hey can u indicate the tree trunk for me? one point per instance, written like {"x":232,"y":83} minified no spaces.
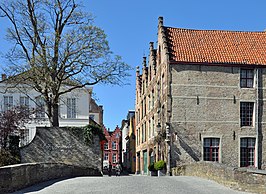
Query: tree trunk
{"x":55,"y":115}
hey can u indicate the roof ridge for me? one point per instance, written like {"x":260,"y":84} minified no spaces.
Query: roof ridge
{"x":190,"y":29}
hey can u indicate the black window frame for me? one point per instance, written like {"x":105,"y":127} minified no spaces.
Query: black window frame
{"x":246,"y":114}
{"x":247,"y":151}
{"x":211,"y":152}
{"x":245,"y":78}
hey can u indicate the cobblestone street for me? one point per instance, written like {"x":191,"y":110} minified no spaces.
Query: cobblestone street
{"x":129,"y":185}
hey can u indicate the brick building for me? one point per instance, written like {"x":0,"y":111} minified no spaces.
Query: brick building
{"x":201,"y":97}
{"x":112,"y":148}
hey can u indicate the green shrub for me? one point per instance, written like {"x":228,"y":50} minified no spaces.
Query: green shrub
{"x":159,"y":165}
{"x":151,"y":167}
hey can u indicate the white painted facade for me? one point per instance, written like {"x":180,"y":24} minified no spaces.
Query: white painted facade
{"x":73,"y":108}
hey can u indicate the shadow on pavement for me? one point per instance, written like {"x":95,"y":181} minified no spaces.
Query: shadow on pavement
{"x":38,"y":186}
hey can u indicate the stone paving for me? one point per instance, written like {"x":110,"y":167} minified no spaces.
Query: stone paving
{"x":130,"y":184}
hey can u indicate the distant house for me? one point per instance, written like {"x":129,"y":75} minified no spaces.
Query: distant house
{"x":112,"y":148}
{"x":73,"y":107}
{"x":200,"y":97}
{"x":128,"y":142}
{"x":96,"y":112}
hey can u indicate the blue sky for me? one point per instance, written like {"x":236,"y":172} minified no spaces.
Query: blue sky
{"x":131,"y":25}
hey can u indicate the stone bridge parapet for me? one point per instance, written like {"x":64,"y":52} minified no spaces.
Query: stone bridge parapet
{"x":244,"y":179}
{"x":15,"y":177}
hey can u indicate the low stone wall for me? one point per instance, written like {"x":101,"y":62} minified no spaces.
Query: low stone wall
{"x":237,"y":178}
{"x":19,"y":176}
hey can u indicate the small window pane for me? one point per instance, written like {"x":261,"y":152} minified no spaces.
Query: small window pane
{"x":249,"y":73}
{"x":207,"y":142}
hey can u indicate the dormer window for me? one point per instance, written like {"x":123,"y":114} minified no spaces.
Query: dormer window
{"x":246,"y":78}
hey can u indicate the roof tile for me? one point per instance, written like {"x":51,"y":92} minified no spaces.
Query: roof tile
{"x":216,"y":46}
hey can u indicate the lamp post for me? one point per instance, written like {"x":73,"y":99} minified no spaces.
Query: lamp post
{"x":167,"y":140}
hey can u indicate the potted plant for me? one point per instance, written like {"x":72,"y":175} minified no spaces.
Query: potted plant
{"x":152,"y":170}
{"x":160,"y":167}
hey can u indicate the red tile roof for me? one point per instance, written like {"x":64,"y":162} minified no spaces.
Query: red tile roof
{"x":216,"y":46}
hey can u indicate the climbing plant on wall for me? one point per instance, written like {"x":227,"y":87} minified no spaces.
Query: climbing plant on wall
{"x":88,"y":132}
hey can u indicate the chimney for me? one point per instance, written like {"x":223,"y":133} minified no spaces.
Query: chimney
{"x":3,"y":76}
{"x":160,"y":21}
{"x":101,"y":115}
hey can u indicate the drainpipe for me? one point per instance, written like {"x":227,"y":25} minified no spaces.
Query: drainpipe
{"x":257,"y":117}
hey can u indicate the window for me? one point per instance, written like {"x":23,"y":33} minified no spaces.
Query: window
{"x":40,"y":107}
{"x":114,"y":145}
{"x":106,"y":146}
{"x":246,"y":78}
{"x":71,"y":108}
{"x":24,"y":101}
{"x":150,"y":129}
{"x":162,"y":82}
{"x":152,"y":98}
{"x":144,"y":107}
{"x":114,"y":158}
{"x":105,"y":156}
{"x":247,"y":152}
{"x":144,"y":133}
{"x":8,"y":102}
{"x":246,"y":113}
{"x":211,"y":149}
{"x":149,"y":101}
{"x":153,"y":127}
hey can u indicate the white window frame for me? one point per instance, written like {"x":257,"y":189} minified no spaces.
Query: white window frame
{"x":8,"y":103}
{"x":114,"y":145}
{"x":106,"y":156}
{"x":105,"y":146}
{"x":114,"y":158}
{"x":24,"y":101}
{"x":71,"y":108}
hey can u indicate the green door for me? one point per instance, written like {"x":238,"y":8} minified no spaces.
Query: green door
{"x":145,"y":162}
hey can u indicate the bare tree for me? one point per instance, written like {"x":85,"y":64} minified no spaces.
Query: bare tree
{"x":57,"y":49}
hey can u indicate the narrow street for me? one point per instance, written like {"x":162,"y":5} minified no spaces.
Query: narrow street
{"x":129,"y":185}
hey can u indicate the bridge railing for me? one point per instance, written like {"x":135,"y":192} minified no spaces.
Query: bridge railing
{"x":15,"y":177}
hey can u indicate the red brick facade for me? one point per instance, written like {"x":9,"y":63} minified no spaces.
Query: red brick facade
{"x":112,"y":152}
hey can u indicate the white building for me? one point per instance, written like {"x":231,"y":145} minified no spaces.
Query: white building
{"x":73,"y":108}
